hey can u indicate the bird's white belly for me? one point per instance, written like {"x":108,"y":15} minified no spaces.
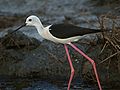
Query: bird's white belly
{"x":47,"y":35}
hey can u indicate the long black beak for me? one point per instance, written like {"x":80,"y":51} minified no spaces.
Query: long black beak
{"x":12,"y":33}
{"x":18,"y":28}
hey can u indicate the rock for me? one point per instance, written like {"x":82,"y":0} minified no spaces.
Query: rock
{"x":27,"y":57}
{"x":24,"y":56}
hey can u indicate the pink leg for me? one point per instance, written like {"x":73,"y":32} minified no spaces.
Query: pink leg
{"x":91,"y":61}
{"x":71,"y":66}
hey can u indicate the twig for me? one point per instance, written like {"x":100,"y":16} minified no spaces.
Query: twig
{"x":15,"y":43}
{"x":110,"y":57}
{"x":117,"y":39}
{"x":104,"y":47}
{"x":111,"y":43}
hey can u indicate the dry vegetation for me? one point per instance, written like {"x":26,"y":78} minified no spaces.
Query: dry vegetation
{"x":111,"y":38}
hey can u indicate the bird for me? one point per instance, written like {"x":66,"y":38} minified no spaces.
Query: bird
{"x":65,"y":34}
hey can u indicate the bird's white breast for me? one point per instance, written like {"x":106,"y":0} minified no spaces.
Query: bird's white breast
{"x":47,"y":35}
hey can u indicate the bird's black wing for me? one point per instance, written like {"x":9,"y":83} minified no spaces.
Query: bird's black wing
{"x":63,"y":31}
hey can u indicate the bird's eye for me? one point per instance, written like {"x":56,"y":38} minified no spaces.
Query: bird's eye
{"x":30,"y":20}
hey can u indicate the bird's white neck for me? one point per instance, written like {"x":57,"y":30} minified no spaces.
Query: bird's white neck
{"x":40,"y":28}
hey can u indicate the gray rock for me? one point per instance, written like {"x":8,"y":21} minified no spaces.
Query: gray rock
{"x":24,"y":56}
{"x":28,"y":57}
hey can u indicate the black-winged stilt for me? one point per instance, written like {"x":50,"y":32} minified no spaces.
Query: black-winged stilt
{"x":65,"y":34}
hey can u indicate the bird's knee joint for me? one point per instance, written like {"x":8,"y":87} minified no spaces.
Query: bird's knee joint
{"x":93,"y":62}
{"x":72,"y":71}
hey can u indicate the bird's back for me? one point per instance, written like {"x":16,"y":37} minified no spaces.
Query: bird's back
{"x":63,"y":31}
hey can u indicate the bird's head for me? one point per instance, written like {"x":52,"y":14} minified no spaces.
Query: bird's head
{"x":32,"y":20}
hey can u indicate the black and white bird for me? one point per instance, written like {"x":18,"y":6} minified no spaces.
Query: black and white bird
{"x":65,"y":34}
{"x":59,"y":33}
